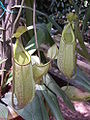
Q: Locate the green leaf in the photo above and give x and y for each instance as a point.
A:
(9, 79)
(44, 111)
(2, 61)
(36, 110)
(58, 91)
(80, 39)
(52, 103)
(53, 52)
(82, 80)
(87, 18)
(3, 111)
(83, 54)
(49, 26)
(51, 19)
(76, 94)
(43, 36)
(28, 16)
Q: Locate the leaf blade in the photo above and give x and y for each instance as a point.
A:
(56, 89)
(53, 106)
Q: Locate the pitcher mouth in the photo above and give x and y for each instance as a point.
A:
(67, 33)
(28, 57)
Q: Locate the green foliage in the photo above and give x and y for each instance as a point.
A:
(82, 80)
(35, 110)
(86, 19)
(29, 16)
(43, 36)
(52, 85)
(53, 104)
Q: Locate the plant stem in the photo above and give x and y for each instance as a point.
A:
(45, 15)
(17, 18)
(29, 8)
(34, 26)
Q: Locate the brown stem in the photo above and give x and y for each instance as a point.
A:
(18, 16)
(34, 26)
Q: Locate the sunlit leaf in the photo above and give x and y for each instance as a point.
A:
(30, 27)
(28, 47)
(76, 94)
(31, 51)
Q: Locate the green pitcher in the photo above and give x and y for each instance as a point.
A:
(66, 56)
(23, 81)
